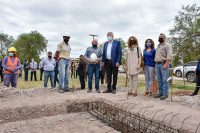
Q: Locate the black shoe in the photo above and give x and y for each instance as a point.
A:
(193, 94)
(114, 92)
(89, 91)
(60, 90)
(157, 96)
(163, 97)
(66, 90)
(107, 91)
(98, 91)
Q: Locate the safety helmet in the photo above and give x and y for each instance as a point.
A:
(12, 49)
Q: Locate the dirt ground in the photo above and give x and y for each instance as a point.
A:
(69, 123)
(43, 110)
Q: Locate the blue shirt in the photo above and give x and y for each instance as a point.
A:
(48, 64)
(91, 50)
(109, 50)
(149, 57)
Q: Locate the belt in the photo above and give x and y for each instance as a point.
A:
(162, 62)
(109, 60)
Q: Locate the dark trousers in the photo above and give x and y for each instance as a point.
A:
(56, 78)
(41, 73)
(102, 75)
(26, 75)
(33, 73)
(111, 73)
(82, 81)
(197, 85)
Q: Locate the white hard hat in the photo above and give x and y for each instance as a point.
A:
(93, 57)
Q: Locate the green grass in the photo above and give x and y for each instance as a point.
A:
(177, 85)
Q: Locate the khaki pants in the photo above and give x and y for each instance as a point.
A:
(133, 83)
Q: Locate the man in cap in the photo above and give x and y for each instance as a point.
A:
(93, 57)
(11, 65)
(163, 57)
(63, 55)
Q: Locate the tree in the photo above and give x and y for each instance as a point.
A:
(30, 45)
(5, 41)
(185, 34)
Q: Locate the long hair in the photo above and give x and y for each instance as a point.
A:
(132, 41)
(152, 43)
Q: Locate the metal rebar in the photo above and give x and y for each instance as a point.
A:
(184, 121)
(197, 128)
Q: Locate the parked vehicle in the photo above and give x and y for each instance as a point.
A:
(188, 69)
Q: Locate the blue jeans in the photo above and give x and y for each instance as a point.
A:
(93, 69)
(162, 75)
(63, 71)
(47, 75)
(148, 77)
(10, 78)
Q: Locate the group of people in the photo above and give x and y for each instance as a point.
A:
(156, 65)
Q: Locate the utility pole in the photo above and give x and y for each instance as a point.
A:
(93, 35)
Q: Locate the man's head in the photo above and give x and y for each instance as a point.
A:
(94, 43)
(81, 57)
(162, 38)
(66, 39)
(110, 36)
(12, 51)
(49, 54)
(32, 60)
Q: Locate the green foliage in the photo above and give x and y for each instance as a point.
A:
(123, 45)
(186, 35)
(5, 42)
(30, 45)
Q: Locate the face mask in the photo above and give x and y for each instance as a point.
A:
(66, 40)
(49, 57)
(161, 40)
(94, 45)
(148, 45)
(11, 54)
(109, 38)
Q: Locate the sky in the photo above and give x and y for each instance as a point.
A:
(79, 18)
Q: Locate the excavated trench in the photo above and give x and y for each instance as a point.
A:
(119, 118)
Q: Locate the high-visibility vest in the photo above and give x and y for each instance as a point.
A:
(11, 65)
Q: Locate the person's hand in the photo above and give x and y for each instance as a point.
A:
(15, 69)
(117, 64)
(126, 69)
(9, 69)
(95, 62)
(165, 66)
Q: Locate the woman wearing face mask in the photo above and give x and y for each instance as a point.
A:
(133, 62)
(11, 65)
(149, 55)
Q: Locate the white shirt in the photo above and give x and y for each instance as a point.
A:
(109, 50)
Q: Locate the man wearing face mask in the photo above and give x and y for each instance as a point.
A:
(11, 65)
(163, 58)
(112, 55)
(93, 57)
(63, 55)
(48, 65)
